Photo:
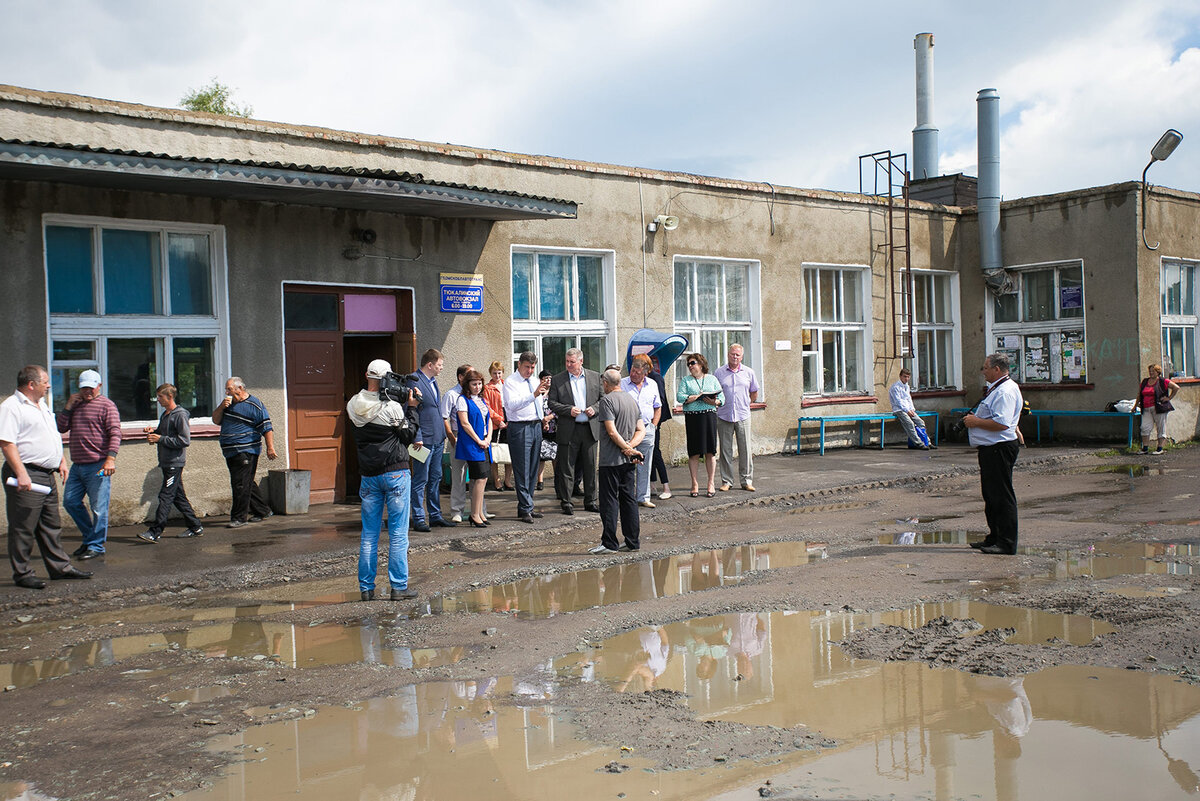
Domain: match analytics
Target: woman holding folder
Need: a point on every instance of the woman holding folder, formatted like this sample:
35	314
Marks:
701	395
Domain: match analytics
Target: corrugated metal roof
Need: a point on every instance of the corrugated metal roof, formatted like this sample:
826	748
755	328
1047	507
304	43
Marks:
306	184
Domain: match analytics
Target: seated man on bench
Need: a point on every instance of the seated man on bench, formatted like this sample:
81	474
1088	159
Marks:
904	411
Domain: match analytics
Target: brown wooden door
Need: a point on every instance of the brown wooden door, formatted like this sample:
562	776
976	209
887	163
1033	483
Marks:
316	409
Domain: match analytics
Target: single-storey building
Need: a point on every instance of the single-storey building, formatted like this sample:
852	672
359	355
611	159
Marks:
156	244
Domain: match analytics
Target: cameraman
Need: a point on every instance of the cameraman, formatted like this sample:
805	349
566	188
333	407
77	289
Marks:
619	459
385	424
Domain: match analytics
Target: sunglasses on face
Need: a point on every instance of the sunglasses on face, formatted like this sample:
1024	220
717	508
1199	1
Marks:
693	363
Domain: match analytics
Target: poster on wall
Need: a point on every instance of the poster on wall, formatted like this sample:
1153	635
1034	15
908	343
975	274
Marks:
1036	366
1010	346
1074	361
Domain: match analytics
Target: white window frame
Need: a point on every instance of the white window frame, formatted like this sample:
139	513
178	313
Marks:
163	328
692	329
954	366
1185	321
1049	330
535	329
812	358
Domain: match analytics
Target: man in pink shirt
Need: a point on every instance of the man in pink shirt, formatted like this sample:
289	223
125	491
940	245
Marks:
733	418
95	428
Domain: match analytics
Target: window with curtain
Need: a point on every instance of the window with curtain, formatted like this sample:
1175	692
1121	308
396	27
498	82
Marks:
1040	324
137	303
561	300
834	341
1179	317
715	308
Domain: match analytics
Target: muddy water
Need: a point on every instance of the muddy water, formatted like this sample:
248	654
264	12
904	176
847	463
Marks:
550	595
284	644
902	728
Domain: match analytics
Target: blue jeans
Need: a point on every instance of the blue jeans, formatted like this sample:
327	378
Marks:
375	491
89	480
525	447
427	485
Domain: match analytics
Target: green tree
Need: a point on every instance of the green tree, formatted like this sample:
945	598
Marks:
216	98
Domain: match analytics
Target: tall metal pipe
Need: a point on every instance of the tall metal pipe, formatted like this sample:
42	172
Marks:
925	135
991	260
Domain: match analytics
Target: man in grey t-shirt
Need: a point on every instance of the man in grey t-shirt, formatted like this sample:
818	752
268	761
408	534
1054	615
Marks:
623	431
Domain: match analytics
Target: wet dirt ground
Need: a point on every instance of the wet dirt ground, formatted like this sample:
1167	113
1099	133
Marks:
831	636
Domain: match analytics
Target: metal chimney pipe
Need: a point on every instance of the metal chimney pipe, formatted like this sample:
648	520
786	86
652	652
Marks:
925	135
991	260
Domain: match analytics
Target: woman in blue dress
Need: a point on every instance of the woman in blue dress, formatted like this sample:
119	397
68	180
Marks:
475	432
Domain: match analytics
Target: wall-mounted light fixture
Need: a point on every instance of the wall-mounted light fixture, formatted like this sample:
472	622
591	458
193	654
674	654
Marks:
1161	151
667	222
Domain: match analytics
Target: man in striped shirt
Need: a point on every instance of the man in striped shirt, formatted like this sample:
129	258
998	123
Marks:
244	424
95	428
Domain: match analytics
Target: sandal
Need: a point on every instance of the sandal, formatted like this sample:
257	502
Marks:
710	494
695	493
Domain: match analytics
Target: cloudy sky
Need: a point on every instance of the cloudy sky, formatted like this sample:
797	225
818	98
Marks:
770	90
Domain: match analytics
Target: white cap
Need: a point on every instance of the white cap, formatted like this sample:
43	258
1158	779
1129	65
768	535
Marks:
378	368
89	379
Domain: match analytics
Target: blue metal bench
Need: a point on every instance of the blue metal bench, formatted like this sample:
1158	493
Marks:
1050	414
882	419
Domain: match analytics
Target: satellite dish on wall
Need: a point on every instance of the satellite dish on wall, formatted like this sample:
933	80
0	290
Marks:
667	222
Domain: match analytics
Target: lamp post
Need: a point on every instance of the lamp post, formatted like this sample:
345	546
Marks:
1161	151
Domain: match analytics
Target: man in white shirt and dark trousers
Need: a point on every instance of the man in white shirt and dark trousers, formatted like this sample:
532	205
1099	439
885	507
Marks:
524	399
902	408
993	430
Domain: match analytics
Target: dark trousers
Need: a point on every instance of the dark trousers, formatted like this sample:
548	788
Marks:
247	497
33	517
658	467
999	499
171	494
576	450
525	448
618	498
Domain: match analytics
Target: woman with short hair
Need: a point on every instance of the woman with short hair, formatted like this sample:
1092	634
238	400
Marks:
701	396
1154	399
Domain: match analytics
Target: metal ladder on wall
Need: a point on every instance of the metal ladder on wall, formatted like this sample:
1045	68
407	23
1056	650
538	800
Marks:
889	179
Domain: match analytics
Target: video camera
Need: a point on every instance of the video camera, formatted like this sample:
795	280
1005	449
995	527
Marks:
396	387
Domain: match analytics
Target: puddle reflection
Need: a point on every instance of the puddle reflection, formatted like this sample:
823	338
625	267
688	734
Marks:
903	728
1107	559
285	644
550	595
945	537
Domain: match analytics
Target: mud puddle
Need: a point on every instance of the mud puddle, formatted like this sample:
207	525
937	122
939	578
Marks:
941	537
896	728
1132	469
284	644
553	594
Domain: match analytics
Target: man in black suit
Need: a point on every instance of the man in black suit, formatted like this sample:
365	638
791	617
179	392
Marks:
574	398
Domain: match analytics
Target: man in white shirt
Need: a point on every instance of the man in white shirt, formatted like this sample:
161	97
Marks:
740	386
903	409
524	407
645	392
33	462
993	430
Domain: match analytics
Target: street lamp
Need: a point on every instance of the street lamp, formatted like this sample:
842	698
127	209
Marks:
1161	151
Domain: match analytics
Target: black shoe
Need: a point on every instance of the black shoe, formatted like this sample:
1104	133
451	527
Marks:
191	532
540	486
979	544
443	523
80	551
31	583
525	518
90	553
403	595
424	527
577	493
535	514
149	536
591	507
367	595
626	547
568	509
260	518
73	573
996	549
477	524
235	524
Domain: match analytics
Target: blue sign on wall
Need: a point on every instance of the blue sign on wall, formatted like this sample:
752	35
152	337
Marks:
1072	297
462	293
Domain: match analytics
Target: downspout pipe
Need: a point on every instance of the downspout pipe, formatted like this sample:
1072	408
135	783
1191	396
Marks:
991	260
925	135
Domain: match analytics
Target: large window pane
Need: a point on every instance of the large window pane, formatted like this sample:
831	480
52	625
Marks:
554	287
133	373
941	377
683	291
554	353
591	287
1070	292
712	345
132	274
1038	289
194	374
1005	308
708	293
830	360
595	353
69	270
828	283
1187	290
522	286
310	311
520	346
852	309
852	344
811	385
68	359
922	300
190	274
737	293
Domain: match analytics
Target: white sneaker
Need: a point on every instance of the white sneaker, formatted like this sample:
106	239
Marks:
600	549
456	519
664	495
489	515
647	504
